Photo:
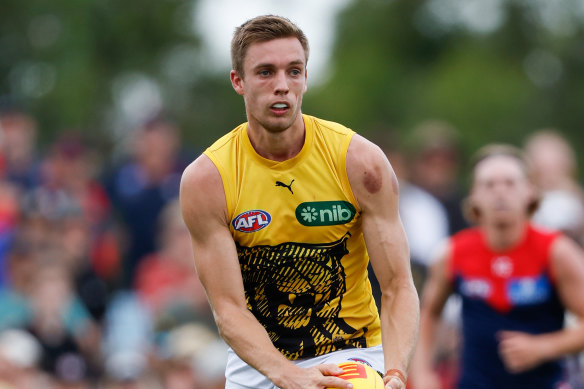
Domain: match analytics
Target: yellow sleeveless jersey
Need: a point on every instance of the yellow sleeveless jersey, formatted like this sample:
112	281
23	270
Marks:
297	229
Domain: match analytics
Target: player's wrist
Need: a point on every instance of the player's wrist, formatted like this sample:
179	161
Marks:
394	373
282	374
544	348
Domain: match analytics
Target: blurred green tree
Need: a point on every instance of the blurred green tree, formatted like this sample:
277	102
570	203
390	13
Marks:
72	63
495	70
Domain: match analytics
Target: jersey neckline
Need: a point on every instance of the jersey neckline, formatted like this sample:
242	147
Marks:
283	165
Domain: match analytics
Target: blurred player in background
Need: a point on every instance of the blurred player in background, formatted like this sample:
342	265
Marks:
515	281
285	212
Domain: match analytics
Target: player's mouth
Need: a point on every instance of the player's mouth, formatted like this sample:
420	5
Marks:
279	108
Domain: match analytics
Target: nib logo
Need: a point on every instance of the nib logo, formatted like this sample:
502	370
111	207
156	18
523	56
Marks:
308	214
325	213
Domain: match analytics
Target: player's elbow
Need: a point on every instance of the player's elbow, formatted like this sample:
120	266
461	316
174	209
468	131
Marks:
226	316
401	288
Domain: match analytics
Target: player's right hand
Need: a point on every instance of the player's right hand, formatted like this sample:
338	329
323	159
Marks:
316	377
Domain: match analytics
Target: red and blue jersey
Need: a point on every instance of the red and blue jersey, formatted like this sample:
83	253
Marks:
504	290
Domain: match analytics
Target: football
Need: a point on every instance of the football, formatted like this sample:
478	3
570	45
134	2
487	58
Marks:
361	376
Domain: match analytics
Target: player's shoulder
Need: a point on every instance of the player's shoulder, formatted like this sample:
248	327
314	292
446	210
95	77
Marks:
199	169
370	175
468	238
201	190
542	233
365	153
201	177
327	125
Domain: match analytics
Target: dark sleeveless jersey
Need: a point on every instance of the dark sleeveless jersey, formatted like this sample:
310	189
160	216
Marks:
508	290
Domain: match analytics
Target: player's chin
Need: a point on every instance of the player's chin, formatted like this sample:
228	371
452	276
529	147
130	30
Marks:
279	124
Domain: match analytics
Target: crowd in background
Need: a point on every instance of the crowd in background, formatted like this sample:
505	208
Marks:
97	283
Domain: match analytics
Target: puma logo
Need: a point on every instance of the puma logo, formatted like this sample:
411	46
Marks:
280	183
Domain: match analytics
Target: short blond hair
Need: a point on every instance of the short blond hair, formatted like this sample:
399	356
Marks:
262	29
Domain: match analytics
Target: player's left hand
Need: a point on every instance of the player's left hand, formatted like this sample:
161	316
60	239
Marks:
393	383
520	351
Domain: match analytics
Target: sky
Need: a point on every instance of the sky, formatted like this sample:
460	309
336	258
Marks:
215	21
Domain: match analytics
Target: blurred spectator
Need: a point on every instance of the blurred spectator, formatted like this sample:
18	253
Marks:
434	166
128	340
431	209
71	372
60	321
561	207
555	173
141	186
70	167
424	218
65	233
14	305
75	237
18	158
19	357
193	356
9	217
210	364
69	177
167	280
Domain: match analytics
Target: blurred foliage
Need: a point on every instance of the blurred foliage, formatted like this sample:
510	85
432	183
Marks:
60	59
390	70
395	64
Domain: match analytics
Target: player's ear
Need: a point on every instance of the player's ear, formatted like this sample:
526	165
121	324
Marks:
236	81
305	81
535	195
470	210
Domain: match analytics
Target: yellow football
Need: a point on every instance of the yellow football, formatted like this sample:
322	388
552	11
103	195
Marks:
361	376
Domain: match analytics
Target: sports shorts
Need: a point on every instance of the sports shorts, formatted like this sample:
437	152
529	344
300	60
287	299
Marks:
239	375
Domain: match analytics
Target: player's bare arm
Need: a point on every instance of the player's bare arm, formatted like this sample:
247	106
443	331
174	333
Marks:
521	351
375	187
203	205
437	289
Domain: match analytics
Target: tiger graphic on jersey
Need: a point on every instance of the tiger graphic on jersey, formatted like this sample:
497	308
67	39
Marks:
294	301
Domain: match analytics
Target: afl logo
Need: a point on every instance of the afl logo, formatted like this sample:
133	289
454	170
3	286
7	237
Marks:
251	221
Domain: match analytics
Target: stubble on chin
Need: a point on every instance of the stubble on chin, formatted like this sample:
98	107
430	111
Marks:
278	125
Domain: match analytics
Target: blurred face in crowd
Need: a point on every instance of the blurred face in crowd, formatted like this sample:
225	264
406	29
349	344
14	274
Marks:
436	169
274	83
552	159
156	148
18	136
501	191
51	290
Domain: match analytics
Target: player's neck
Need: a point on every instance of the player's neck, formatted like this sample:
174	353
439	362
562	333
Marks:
277	146
503	236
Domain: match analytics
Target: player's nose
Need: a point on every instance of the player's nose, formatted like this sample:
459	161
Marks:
281	83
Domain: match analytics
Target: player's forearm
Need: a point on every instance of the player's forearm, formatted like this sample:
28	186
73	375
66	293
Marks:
400	310
569	340
250	341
